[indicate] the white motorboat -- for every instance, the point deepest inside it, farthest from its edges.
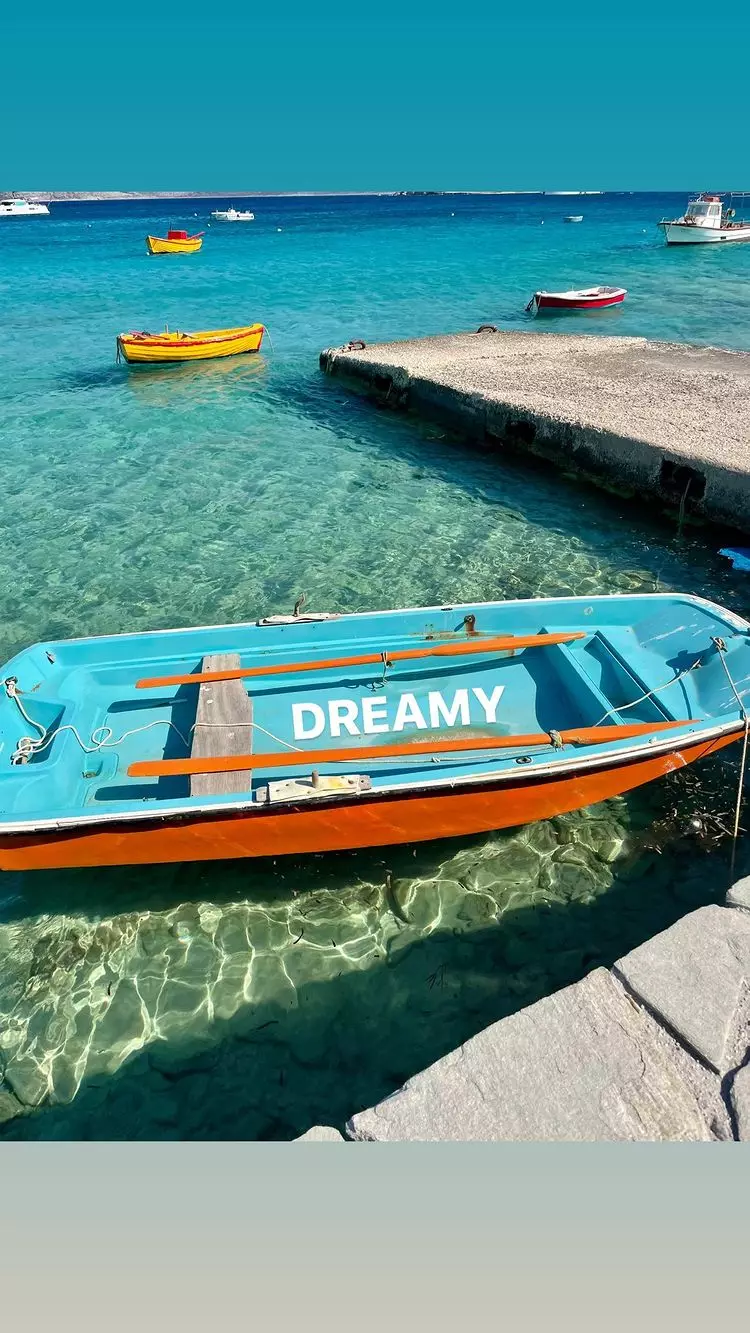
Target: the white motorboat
(233, 215)
(21, 208)
(705, 221)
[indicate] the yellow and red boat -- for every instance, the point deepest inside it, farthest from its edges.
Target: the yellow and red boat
(174, 243)
(149, 348)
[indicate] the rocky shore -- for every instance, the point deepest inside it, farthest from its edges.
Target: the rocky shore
(655, 1048)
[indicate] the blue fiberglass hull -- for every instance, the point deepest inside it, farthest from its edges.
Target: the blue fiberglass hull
(444, 731)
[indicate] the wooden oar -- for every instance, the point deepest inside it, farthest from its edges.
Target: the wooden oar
(505, 643)
(162, 768)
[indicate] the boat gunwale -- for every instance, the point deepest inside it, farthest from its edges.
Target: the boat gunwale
(572, 764)
(704, 602)
(190, 339)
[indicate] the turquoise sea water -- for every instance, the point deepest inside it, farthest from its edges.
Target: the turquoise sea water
(253, 999)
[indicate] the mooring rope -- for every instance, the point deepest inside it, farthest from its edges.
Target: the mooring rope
(650, 693)
(101, 738)
(722, 647)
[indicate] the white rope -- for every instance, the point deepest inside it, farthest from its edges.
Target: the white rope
(657, 690)
(741, 784)
(102, 737)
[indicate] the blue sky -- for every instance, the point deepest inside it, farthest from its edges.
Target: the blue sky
(369, 96)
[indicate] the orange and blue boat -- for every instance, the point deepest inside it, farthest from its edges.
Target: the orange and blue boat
(314, 733)
(174, 243)
(155, 348)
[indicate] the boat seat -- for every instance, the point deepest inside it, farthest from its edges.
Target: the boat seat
(583, 690)
(225, 705)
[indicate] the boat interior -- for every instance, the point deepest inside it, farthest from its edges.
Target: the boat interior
(81, 720)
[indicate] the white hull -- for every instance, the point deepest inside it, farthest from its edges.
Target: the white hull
(681, 233)
(233, 217)
(22, 209)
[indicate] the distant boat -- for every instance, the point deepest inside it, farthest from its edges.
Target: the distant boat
(307, 734)
(587, 298)
(150, 348)
(174, 243)
(706, 221)
(574, 217)
(232, 215)
(21, 208)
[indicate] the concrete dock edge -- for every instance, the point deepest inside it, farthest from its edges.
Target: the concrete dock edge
(669, 422)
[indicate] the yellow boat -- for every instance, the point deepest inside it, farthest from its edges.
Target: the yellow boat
(174, 243)
(141, 348)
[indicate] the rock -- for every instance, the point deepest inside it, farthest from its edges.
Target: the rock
(739, 894)
(119, 1032)
(740, 1095)
(230, 935)
(599, 837)
(27, 1081)
(10, 1106)
(269, 982)
(584, 1064)
(571, 875)
(541, 837)
(321, 1134)
(228, 991)
(475, 910)
(423, 908)
(696, 977)
(516, 866)
(65, 1080)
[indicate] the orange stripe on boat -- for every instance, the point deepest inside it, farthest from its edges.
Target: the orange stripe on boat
(506, 643)
(364, 823)
(159, 768)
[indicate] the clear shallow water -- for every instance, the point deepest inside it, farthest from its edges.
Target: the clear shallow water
(252, 999)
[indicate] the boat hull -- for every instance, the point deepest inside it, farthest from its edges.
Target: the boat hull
(680, 233)
(385, 820)
(161, 350)
(31, 211)
(160, 245)
(548, 303)
(216, 742)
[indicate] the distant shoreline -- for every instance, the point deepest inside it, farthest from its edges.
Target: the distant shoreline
(115, 196)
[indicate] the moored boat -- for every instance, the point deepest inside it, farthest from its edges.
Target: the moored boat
(21, 208)
(706, 221)
(143, 348)
(174, 243)
(314, 733)
(586, 298)
(574, 217)
(233, 215)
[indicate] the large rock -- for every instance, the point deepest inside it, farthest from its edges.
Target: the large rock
(696, 977)
(321, 1134)
(586, 1063)
(739, 894)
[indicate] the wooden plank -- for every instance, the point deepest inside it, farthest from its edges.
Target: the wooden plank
(223, 705)
(153, 768)
(504, 643)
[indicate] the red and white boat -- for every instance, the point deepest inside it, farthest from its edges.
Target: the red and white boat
(586, 298)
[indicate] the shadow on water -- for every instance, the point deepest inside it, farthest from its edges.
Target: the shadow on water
(332, 1047)
(348, 981)
(101, 377)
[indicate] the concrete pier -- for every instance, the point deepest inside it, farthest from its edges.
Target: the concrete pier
(666, 421)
